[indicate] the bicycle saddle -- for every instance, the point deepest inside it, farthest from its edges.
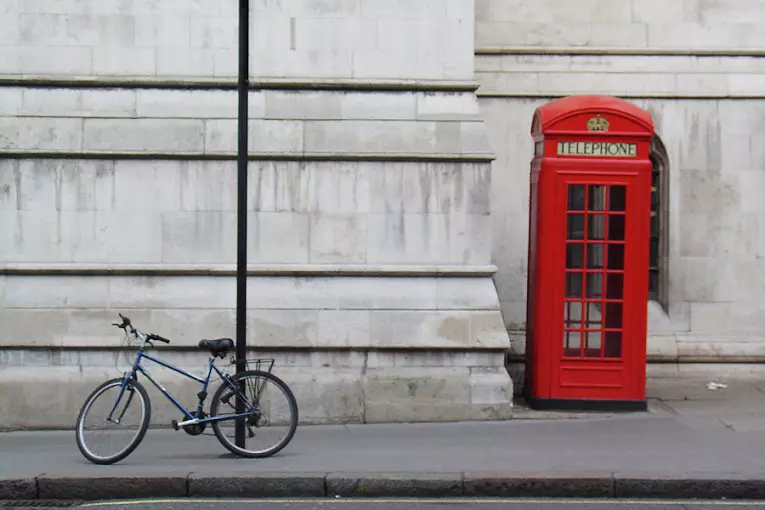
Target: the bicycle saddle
(217, 347)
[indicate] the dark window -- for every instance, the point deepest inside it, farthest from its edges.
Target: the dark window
(659, 236)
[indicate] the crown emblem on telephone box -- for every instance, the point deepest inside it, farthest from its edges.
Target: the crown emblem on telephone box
(597, 123)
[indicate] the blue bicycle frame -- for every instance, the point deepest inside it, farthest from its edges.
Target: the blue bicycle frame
(137, 367)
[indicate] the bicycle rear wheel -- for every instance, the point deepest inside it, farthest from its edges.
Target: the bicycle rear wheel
(112, 422)
(267, 431)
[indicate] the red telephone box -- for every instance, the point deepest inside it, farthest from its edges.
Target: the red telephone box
(589, 238)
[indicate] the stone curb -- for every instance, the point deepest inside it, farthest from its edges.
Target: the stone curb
(243, 484)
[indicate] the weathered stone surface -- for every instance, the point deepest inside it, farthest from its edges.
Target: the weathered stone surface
(402, 484)
(260, 485)
(539, 485)
(111, 486)
(696, 487)
(18, 488)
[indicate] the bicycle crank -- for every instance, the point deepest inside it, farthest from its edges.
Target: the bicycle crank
(194, 429)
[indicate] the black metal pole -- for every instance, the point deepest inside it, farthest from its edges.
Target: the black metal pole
(241, 261)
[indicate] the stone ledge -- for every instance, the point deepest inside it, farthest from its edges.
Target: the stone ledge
(397, 484)
(48, 81)
(32, 269)
(619, 52)
(258, 156)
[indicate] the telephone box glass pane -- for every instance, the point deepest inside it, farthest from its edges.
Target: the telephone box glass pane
(617, 199)
(615, 256)
(575, 228)
(594, 256)
(572, 314)
(614, 286)
(574, 255)
(572, 342)
(613, 316)
(597, 198)
(592, 344)
(613, 344)
(573, 284)
(576, 194)
(594, 285)
(616, 227)
(596, 226)
(594, 315)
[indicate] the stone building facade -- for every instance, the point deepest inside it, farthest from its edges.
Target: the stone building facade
(388, 189)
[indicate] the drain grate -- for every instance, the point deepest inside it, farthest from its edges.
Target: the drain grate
(38, 503)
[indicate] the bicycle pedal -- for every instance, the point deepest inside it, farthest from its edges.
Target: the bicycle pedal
(174, 423)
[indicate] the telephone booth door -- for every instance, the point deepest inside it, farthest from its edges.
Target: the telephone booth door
(597, 268)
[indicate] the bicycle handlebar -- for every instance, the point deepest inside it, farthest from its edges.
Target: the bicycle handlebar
(128, 326)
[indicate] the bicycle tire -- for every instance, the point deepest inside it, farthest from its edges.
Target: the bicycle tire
(225, 441)
(144, 426)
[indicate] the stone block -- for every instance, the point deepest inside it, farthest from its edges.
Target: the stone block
(378, 105)
(132, 193)
(165, 31)
(117, 61)
(10, 59)
(400, 9)
(327, 34)
(417, 394)
(10, 101)
(55, 292)
(420, 329)
(260, 485)
(491, 393)
(343, 328)
(225, 63)
(41, 134)
(41, 29)
(278, 238)
(592, 485)
(110, 486)
(397, 293)
(399, 484)
(198, 237)
(282, 328)
(305, 62)
(213, 33)
(269, 136)
(628, 485)
(326, 395)
(427, 238)
(18, 488)
(364, 137)
(183, 136)
(336, 238)
(176, 292)
(34, 236)
(114, 236)
(498, 33)
(173, 61)
(488, 330)
(208, 185)
(300, 104)
(112, 30)
(278, 292)
(467, 294)
(447, 106)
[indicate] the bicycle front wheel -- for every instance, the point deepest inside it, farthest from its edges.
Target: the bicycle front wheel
(269, 429)
(113, 421)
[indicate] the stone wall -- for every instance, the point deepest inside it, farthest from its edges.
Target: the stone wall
(369, 203)
(697, 66)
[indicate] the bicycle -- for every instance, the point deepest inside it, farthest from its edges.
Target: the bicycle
(232, 388)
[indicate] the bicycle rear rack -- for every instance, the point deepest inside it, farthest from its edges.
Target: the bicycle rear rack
(258, 364)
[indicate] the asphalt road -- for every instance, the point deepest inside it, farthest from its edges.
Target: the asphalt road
(425, 504)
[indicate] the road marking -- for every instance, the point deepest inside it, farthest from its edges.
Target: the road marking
(447, 501)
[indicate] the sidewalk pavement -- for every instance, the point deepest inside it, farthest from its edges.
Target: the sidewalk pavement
(693, 442)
